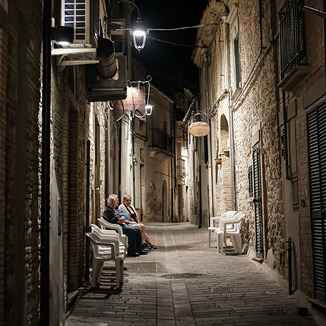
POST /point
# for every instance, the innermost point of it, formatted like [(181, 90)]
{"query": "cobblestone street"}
[(186, 283)]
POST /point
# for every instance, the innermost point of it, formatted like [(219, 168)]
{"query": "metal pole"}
[(45, 182), (88, 159), (290, 264), (315, 11)]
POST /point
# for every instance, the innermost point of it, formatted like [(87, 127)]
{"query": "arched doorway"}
[(165, 202)]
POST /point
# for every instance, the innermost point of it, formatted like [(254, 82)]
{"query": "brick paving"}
[(186, 283)]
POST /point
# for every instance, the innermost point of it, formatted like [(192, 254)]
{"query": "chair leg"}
[(117, 272), (220, 240), (121, 262), (209, 238), (236, 241), (95, 271)]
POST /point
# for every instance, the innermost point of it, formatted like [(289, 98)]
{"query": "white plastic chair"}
[(230, 227), (214, 224), (108, 234), (107, 225), (106, 247)]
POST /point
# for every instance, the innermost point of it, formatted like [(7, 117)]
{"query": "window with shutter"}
[(258, 202), (316, 124)]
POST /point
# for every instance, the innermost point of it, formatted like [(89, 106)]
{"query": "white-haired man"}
[(132, 232)]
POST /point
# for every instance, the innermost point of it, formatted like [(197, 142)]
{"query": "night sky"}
[(164, 60)]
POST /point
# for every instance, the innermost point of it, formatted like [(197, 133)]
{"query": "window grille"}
[(292, 36)]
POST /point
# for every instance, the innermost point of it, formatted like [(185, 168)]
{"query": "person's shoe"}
[(133, 254), (145, 249)]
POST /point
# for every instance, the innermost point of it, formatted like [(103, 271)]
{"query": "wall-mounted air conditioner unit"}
[(102, 89), (76, 14)]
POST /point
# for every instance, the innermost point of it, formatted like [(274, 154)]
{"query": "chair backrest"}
[(236, 222), (236, 217), (226, 214), (104, 234), (107, 225), (96, 246)]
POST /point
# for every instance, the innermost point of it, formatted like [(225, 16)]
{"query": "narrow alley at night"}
[(163, 162), (186, 283)]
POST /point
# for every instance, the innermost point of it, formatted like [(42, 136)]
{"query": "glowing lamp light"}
[(139, 35), (63, 35), (148, 109)]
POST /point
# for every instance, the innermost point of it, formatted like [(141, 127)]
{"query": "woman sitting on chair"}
[(127, 208)]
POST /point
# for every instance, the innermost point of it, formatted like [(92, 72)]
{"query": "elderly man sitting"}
[(132, 232)]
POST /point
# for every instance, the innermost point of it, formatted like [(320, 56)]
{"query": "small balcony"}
[(161, 143), (292, 44)]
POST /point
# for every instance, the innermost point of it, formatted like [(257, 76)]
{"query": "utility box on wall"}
[(100, 89)]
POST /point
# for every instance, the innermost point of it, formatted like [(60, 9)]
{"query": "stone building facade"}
[(20, 51), (75, 126), (265, 109)]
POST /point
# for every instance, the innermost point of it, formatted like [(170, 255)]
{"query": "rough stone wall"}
[(259, 106), (69, 132), (99, 113), (254, 103), (19, 98)]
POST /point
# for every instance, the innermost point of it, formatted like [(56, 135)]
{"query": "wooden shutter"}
[(316, 122), (258, 203)]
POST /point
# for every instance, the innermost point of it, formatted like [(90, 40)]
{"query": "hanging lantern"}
[(199, 127)]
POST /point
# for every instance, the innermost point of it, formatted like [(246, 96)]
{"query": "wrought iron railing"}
[(161, 140), (292, 36)]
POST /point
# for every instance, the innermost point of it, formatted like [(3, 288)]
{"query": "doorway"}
[(180, 203), (165, 202), (97, 164)]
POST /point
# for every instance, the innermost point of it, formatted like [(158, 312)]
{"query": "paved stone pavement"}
[(184, 282)]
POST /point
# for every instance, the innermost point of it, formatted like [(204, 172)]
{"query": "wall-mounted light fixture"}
[(138, 32), (137, 102), (148, 109), (62, 35), (139, 35)]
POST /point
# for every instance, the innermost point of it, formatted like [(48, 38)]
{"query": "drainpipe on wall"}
[(120, 159), (285, 140), (132, 122), (45, 178), (210, 159), (228, 80), (173, 163), (88, 165), (325, 42)]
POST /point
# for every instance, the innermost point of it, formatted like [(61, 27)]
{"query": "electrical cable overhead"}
[(180, 28), (174, 43)]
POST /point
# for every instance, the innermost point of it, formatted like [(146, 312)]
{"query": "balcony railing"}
[(292, 36), (161, 140)]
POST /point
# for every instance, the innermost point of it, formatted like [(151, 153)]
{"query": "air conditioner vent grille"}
[(75, 14)]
